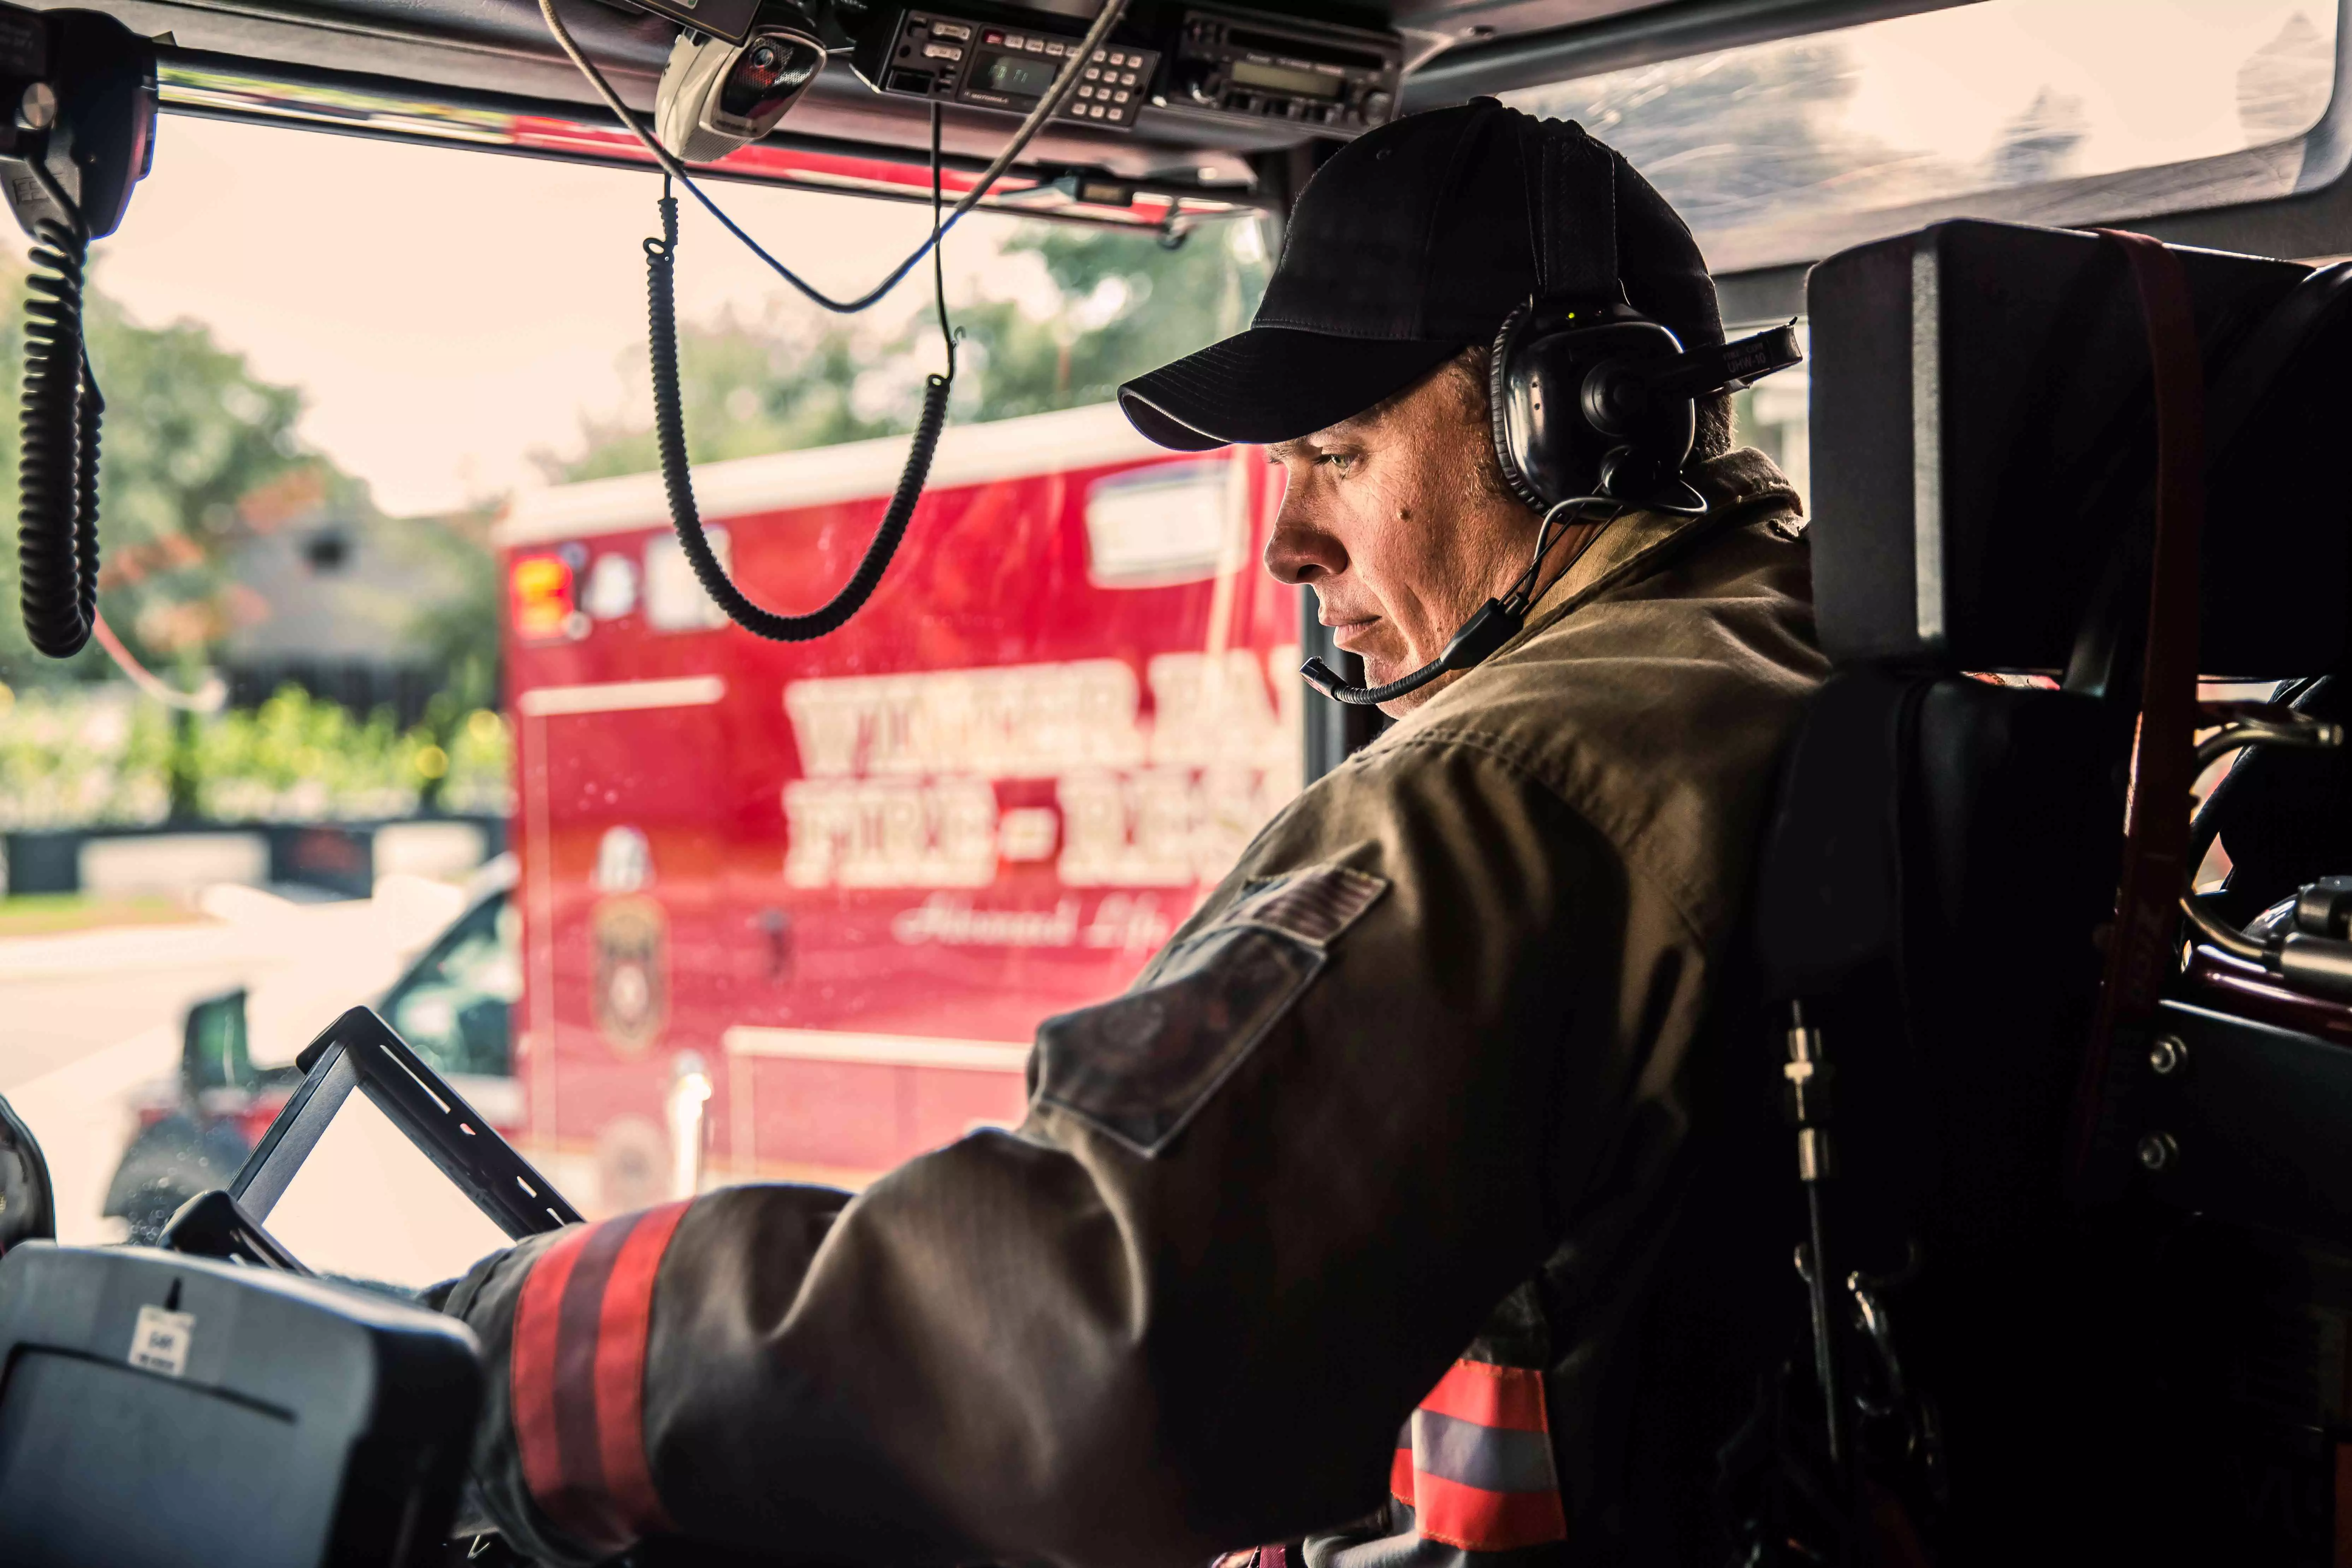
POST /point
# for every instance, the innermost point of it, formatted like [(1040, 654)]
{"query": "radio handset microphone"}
[(1618, 396), (82, 133)]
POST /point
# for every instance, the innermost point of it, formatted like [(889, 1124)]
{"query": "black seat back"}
[(1944, 854), (157, 1410)]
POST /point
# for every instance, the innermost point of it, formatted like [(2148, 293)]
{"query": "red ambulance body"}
[(794, 910)]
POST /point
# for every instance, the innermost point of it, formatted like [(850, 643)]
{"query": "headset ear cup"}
[(1499, 405)]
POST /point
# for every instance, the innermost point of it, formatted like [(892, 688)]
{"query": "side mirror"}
[(214, 1053), (28, 1210)]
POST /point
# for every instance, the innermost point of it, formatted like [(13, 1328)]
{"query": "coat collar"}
[(1734, 486)]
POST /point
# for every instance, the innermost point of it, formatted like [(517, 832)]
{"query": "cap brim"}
[(1271, 383)]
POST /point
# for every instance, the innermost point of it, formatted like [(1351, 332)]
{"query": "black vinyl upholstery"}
[(1943, 851)]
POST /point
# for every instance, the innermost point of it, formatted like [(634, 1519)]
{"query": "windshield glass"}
[(364, 402), (1949, 103)]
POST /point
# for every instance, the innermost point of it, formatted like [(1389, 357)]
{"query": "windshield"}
[(433, 713), (1751, 142), (342, 379)]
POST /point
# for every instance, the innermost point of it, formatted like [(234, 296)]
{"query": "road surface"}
[(90, 1019)]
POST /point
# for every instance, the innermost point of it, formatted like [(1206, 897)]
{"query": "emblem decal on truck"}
[(632, 990)]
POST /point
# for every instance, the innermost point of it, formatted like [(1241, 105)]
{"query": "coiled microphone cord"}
[(57, 520), (677, 477)]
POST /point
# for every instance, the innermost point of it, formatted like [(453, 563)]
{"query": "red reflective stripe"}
[(1476, 1520), (530, 1366), (622, 1330), (1509, 1396), (577, 1377), (1401, 1476)]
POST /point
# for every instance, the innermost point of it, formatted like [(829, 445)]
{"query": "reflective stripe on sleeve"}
[(1479, 1475), (1401, 1467), (577, 1374)]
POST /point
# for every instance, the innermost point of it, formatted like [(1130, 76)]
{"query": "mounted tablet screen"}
[(367, 1203)]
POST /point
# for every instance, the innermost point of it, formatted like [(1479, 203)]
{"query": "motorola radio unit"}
[(1337, 80), (965, 59), (1342, 80)]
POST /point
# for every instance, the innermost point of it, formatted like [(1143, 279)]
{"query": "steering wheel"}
[(28, 1210)]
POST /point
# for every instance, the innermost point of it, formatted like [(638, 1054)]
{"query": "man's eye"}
[(1342, 461)]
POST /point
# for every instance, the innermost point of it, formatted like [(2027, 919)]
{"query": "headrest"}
[(1983, 451)]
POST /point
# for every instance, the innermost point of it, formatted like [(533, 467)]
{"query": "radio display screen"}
[(1285, 78), (1019, 74)]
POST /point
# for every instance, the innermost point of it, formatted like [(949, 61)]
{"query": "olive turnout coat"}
[(1432, 1068)]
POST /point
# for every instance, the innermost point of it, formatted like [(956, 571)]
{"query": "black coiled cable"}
[(57, 520), (669, 435)]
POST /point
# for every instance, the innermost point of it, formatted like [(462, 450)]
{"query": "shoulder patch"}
[(1138, 1068), (1314, 906)]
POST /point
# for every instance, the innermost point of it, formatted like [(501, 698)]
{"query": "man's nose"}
[(1301, 551)]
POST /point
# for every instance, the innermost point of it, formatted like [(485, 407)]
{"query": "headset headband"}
[(1572, 211)]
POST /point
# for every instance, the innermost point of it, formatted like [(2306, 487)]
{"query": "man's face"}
[(1395, 519)]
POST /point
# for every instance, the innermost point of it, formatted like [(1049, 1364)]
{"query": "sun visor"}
[(1983, 451)]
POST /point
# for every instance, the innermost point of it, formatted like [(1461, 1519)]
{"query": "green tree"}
[(771, 384), (199, 455), (1117, 304), (192, 438), (1125, 305)]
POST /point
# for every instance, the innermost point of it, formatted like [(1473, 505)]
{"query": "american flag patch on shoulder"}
[(1313, 905)]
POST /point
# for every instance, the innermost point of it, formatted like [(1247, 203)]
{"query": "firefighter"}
[(1404, 1208)]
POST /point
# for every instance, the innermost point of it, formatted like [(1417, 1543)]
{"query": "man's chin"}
[(1380, 668), (1380, 672)]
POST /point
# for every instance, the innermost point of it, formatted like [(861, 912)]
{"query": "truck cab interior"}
[(2074, 1238)]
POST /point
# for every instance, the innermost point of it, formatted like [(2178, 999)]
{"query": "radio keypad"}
[(969, 62)]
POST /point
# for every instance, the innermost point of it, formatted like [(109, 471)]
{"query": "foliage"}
[(73, 756), (769, 384), (193, 445), (87, 756), (200, 455), (1123, 305), (457, 633), (1114, 305)]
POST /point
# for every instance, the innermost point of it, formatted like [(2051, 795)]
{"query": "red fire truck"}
[(793, 911)]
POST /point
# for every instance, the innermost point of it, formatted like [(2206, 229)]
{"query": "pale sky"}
[(446, 312)]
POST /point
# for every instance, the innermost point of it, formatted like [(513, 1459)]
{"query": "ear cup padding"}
[(1498, 406)]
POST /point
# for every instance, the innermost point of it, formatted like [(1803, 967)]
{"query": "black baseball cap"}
[(1413, 242)]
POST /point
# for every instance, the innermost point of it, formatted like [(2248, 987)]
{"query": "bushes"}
[(82, 758)]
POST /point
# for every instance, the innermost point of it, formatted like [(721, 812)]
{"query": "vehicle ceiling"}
[(489, 53), (467, 72)]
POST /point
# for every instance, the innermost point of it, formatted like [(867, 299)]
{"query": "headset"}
[(1595, 405)]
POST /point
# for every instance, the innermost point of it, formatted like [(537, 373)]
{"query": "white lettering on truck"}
[(899, 770)]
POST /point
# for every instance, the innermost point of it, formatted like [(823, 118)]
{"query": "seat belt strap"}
[(2156, 819)]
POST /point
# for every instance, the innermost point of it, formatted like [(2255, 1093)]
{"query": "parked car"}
[(454, 1005)]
